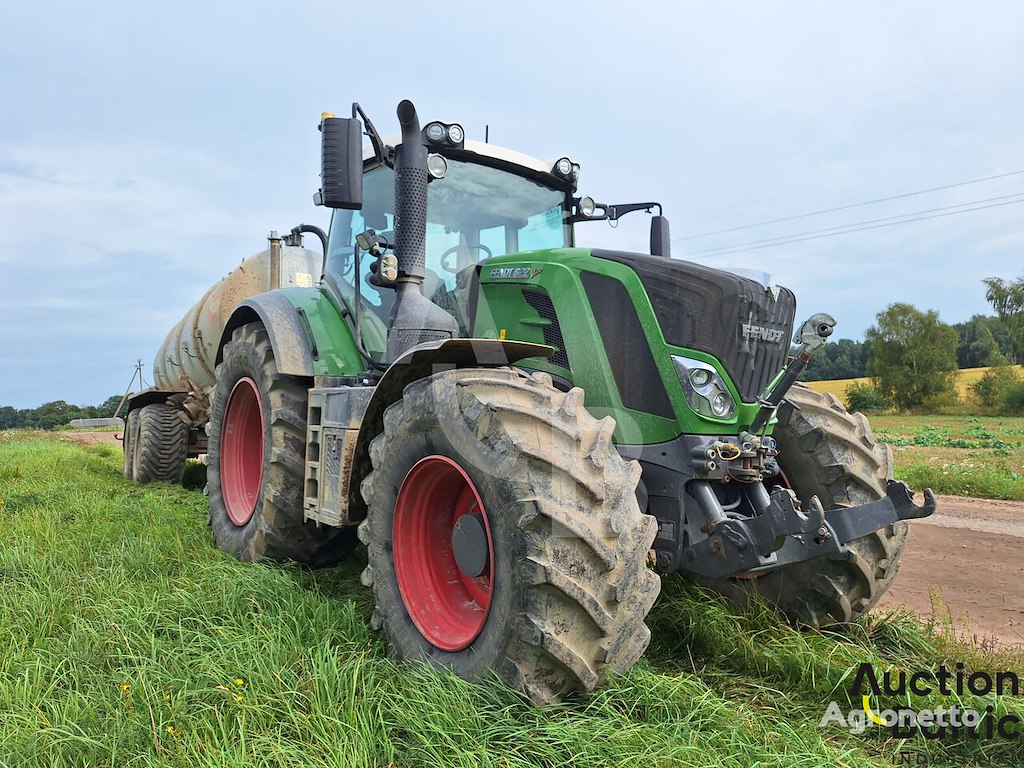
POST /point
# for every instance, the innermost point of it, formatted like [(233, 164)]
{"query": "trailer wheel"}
[(827, 451), (159, 445), (504, 534), (130, 442), (256, 458)]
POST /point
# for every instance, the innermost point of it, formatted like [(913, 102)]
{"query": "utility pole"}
[(138, 372)]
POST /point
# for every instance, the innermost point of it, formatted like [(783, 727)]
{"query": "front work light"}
[(444, 134), (437, 166), (435, 132)]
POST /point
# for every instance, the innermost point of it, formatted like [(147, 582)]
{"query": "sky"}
[(147, 149)]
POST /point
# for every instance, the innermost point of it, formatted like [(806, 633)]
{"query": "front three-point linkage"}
[(813, 335)]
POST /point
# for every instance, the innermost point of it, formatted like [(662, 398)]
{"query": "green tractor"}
[(525, 433)]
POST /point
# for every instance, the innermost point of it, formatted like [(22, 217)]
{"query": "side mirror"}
[(661, 245), (341, 163)]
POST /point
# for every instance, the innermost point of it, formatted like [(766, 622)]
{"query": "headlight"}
[(720, 405), (700, 377), (704, 389)]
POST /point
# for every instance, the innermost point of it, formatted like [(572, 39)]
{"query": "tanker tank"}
[(187, 358)]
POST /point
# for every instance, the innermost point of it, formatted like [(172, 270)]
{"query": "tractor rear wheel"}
[(504, 534), (160, 445), (827, 451), (256, 458)]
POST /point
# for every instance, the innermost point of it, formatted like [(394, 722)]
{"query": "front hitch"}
[(735, 545)]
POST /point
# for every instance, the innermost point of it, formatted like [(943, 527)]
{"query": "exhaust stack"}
[(414, 319), (410, 196)]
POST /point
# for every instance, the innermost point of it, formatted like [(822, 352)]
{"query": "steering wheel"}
[(456, 249)]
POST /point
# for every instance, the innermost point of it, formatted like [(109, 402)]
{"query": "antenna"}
[(487, 134)]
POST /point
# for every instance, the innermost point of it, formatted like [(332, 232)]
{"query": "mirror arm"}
[(371, 132)]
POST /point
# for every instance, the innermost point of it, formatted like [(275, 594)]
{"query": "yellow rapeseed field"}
[(838, 387)]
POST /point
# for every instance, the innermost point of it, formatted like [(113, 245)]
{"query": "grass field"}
[(979, 456), (126, 639), (959, 455)]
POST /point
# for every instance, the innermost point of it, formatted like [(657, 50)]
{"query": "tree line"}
[(981, 341), (55, 414)]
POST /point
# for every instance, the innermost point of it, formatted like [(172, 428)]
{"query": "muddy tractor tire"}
[(825, 450), (129, 443), (256, 458), (159, 444), (504, 535)]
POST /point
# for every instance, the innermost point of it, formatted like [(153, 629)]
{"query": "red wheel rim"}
[(241, 455), (448, 607)]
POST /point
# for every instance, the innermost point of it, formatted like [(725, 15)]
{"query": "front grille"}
[(705, 309), (540, 302), (629, 356)]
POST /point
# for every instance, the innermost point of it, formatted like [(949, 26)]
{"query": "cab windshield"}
[(474, 212)]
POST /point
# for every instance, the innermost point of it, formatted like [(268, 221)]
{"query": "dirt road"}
[(92, 437), (971, 552)]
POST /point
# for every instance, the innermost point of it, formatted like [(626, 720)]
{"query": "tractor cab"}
[(481, 203)]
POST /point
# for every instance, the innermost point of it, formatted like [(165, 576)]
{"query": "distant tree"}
[(978, 346), (9, 418), (913, 355), (1013, 401), (845, 359), (55, 414), (106, 409), (1007, 299), (992, 388), (866, 398)]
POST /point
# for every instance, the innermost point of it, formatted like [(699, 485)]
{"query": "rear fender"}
[(307, 333)]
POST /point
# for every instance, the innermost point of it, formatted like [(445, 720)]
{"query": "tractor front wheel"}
[(504, 534)]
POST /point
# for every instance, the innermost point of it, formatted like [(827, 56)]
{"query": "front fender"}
[(419, 362)]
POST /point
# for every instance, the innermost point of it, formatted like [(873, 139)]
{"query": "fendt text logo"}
[(761, 333)]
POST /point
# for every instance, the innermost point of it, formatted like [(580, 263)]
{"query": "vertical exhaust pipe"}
[(410, 196), (414, 318)]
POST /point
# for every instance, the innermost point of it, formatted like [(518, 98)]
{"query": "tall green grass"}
[(126, 639)]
